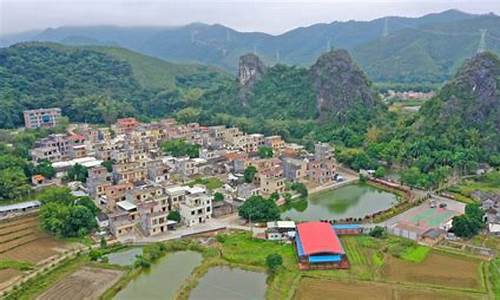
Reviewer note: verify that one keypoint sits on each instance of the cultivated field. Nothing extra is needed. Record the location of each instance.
(436, 269)
(21, 239)
(86, 283)
(311, 289)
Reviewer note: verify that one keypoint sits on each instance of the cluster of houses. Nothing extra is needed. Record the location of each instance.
(490, 203)
(145, 185)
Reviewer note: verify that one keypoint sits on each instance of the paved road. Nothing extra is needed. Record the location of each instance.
(228, 222)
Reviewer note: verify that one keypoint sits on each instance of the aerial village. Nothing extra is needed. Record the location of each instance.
(146, 195)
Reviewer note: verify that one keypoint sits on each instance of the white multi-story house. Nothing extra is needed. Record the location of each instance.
(197, 206)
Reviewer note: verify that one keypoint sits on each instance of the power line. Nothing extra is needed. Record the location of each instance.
(482, 42)
(385, 31)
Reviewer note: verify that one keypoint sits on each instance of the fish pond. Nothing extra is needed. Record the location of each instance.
(124, 258)
(163, 279)
(350, 201)
(225, 283)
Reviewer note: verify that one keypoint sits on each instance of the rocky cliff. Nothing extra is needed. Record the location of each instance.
(341, 86)
(251, 69)
(466, 110)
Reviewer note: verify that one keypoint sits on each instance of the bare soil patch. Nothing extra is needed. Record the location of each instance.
(8, 274)
(436, 269)
(86, 283)
(320, 289)
(312, 289)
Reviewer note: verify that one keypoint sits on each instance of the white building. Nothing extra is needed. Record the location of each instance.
(197, 206)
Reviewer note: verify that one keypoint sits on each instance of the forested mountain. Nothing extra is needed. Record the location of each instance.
(420, 50)
(96, 84)
(466, 112)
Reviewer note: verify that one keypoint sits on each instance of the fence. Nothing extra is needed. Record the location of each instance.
(408, 234)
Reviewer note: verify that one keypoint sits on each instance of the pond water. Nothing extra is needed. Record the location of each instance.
(163, 279)
(224, 283)
(124, 258)
(350, 201)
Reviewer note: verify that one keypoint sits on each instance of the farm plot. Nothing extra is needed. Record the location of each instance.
(312, 289)
(86, 283)
(436, 269)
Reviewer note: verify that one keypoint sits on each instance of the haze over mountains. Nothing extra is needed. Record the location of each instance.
(422, 50)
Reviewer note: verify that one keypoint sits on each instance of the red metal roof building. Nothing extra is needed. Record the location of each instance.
(318, 247)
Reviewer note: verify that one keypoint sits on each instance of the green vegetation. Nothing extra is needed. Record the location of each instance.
(469, 224)
(218, 197)
(378, 232)
(77, 173)
(65, 215)
(494, 270)
(300, 188)
(274, 262)
(15, 264)
(108, 164)
(265, 152)
(45, 169)
(259, 209)
(174, 215)
(96, 84)
(415, 254)
(35, 286)
(249, 173)
(211, 183)
(179, 147)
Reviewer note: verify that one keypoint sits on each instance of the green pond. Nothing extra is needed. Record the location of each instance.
(224, 283)
(124, 258)
(350, 201)
(163, 279)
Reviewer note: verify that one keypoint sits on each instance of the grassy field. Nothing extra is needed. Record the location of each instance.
(486, 183)
(210, 183)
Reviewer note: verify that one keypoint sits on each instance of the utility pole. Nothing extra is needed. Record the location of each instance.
(385, 31)
(482, 41)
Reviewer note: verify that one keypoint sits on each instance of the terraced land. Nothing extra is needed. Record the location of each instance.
(86, 283)
(21, 239)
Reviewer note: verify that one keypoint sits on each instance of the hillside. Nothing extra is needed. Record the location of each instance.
(466, 112)
(156, 73)
(430, 53)
(95, 84)
(419, 51)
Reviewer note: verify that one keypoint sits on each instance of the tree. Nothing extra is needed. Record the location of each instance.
(274, 261)
(259, 209)
(174, 215)
(470, 223)
(13, 183)
(300, 188)
(411, 176)
(103, 243)
(179, 147)
(77, 173)
(377, 232)
(57, 194)
(249, 173)
(65, 215)
(265, 152)
(88, 203)
(380, 172)
(44, 168)
(218, 197)
(108, 164)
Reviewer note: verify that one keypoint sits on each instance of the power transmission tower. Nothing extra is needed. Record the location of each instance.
(385, 31)
(254, 49)
(482, 42)
(328, 46)
(228, 36)
(277, 56)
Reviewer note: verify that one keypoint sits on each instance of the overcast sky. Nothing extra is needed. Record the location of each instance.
(273, 16)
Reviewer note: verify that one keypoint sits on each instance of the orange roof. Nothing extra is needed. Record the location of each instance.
(38, 177)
